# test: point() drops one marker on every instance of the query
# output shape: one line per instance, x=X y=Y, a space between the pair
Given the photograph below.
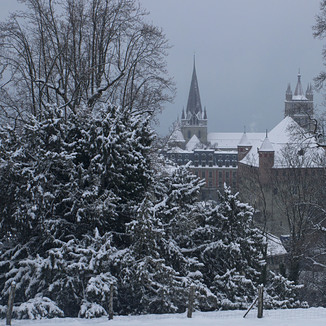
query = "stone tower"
x=300 y=106
x=266 y=154
x=194 y=120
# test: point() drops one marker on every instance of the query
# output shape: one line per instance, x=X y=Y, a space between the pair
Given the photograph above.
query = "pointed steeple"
x=289 y=90
x=309 y=93
x=244 y=141
x=266 y=146
x=183 y=114
x=288 y=94
x=298 y=90
x=194 y=103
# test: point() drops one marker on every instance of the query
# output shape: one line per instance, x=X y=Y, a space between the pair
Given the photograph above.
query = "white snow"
x=275 y=246
x=291 y=317
x=230 y=140
x=177 y=136
x=244 y=141
x=286 y=133
x=299 y=98
x=266 y=146
x=193 y=143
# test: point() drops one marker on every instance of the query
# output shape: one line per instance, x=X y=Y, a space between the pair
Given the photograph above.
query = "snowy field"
x=294 y=317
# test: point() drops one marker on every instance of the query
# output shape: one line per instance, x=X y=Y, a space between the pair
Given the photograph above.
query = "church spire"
x=183 y=114
x=194 y=103
x=298 y=90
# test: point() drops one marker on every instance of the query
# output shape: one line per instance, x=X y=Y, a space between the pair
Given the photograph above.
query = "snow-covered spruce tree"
x=180 y=212
x=230 y=249
x=148 y=284
x=64 y=177
x=282 y=293
x=29 y=160
x=81 y=274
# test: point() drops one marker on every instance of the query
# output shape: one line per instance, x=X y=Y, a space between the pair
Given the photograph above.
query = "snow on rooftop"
x=177 y=149
x=283 y=131
x=231 y=139
x=193 y=143
x=266 y=146
x=287 y=138
x=177 y=136
x=244 y=141
x=299 y=98
x=274 y=246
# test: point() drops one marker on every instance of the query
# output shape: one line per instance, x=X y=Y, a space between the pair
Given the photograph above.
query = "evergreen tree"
x=148 y=282
x=66 y=177
x=230 y=249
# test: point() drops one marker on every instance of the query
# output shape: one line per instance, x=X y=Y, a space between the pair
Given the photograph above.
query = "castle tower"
x=266 y=160
x=300 y=106
x=194 y=120
x=244 y=146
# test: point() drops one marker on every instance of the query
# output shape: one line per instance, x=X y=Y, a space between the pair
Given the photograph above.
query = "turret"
x=288 y=94
x=266 y=160
x=244 y=146
x=183 y=114
x=309 y=93
x=300 y=106
x=298 y=93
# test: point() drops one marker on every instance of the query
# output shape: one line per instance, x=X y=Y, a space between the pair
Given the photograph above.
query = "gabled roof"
x=177 y=136
x=193 y=143
x=194 y=103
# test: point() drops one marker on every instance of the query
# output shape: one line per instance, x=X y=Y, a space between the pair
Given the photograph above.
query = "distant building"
x=300 y=106
x=249 y=162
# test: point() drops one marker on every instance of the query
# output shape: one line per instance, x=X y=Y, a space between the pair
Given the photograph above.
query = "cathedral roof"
x=298 y=93
x=194 y=103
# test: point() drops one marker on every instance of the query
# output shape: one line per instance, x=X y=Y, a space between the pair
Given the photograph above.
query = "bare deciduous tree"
x=81 y=52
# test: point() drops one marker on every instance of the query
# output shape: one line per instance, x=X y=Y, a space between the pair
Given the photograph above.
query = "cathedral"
x=246 y=160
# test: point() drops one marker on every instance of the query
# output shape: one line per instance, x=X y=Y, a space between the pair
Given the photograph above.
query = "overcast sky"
x=247 y=51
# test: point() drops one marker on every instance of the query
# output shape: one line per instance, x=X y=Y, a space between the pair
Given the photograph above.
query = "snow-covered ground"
x=293 y=317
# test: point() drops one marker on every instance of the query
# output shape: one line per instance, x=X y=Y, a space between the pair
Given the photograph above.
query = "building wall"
x=285 y=199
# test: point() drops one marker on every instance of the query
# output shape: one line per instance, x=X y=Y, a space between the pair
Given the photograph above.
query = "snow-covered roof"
x=284 y=138
x=266 y=146
x=299 y=98
x=230 y=140
x=177 y=136
x=193 y=143
x=177 y=150
x=274 y=246
x=244 y=141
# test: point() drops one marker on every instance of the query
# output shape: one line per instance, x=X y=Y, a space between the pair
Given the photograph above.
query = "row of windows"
x=204 y=157
x=221 y=174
